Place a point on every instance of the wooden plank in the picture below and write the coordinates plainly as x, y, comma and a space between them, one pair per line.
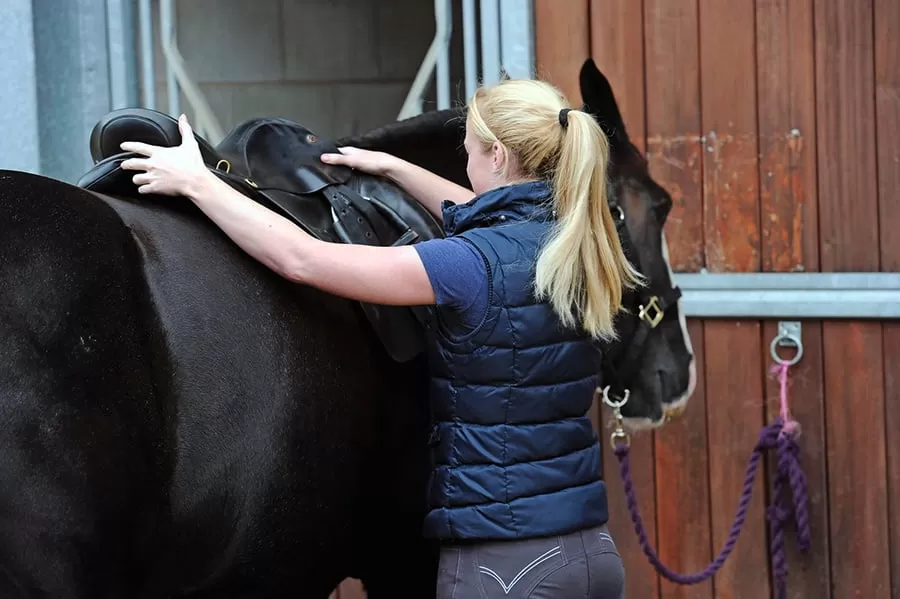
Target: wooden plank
786, 114
682, 490
734, 418
808, 573
732, 241
730, 168
787, 135
617, 47
673, 122
891, 346
562, 43
673, 149
854, 396
848, 200
887, 112
641, 578
854, 378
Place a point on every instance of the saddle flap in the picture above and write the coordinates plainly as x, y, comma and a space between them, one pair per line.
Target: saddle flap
280, 154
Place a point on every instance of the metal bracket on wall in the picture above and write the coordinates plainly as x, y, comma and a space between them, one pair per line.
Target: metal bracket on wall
790, 295
789, 336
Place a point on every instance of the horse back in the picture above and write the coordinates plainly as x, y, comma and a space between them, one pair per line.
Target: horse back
202, 416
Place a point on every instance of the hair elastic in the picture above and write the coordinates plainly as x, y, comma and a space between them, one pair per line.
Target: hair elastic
564, 117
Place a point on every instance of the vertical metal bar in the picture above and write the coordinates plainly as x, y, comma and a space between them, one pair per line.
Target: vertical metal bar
148, 83
442, 70
167, 30
490, 41
516, 22
121, 53
470, 47
73, 86
20, 141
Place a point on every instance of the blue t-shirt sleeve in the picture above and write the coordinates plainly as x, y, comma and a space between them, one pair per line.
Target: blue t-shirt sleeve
458, 276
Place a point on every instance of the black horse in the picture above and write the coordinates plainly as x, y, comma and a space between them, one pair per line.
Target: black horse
178, 421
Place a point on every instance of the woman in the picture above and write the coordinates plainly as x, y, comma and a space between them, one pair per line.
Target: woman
527, 281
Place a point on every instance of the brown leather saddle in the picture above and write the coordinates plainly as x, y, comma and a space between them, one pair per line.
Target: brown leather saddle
275, 162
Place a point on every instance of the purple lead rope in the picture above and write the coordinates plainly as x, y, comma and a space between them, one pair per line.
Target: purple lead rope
781, 436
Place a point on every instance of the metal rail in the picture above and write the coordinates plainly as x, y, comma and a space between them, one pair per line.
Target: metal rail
177, 76
791, 295
437, 60
506, 41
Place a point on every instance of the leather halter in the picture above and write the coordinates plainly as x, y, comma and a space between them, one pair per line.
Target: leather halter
616, 373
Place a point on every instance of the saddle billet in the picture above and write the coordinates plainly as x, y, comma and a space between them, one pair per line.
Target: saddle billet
275, 162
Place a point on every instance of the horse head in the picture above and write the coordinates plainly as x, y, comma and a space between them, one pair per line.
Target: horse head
652, 359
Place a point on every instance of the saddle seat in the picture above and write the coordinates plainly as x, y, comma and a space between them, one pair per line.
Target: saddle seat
275, 162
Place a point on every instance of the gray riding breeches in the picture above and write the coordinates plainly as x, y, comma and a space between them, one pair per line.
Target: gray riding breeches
580, 564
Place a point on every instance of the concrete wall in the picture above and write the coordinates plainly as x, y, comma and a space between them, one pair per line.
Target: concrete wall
338, 66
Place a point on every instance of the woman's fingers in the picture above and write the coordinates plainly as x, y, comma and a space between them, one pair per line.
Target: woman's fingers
334, 159
138, 147
187, 132
135, 164
348, 155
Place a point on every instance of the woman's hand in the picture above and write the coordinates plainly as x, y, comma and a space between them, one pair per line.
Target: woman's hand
167, 171
368, 161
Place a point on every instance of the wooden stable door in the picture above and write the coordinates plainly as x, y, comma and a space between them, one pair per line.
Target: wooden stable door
776, 128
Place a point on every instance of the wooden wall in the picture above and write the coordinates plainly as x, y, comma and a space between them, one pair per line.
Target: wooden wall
775, 125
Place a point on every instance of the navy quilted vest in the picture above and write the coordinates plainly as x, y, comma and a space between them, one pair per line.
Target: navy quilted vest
514, 452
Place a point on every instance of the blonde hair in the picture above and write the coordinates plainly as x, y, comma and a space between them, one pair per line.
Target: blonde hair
581, 270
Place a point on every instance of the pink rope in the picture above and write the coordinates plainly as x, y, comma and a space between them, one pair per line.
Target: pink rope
791, 426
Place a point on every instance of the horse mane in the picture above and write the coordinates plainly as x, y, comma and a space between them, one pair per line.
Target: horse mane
433, 140
425, 125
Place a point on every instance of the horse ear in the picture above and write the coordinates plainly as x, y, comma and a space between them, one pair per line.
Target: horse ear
600, 101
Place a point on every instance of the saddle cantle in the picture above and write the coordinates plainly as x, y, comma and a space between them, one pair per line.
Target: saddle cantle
275, 162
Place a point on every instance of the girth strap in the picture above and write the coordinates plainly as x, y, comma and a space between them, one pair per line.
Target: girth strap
356, 219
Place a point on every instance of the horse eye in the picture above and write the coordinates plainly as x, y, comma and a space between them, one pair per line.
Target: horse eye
311, 139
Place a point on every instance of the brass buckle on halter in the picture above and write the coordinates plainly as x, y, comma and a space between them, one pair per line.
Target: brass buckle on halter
224, 163
656, 316
619, 436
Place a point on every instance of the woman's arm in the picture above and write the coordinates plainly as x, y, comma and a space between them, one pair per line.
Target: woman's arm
426, 187
380, 275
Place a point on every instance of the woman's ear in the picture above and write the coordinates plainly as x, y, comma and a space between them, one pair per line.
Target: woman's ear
498, 157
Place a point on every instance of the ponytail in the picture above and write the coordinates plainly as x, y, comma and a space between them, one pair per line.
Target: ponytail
582, 269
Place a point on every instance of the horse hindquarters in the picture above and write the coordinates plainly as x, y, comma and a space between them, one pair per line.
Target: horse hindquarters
76, 406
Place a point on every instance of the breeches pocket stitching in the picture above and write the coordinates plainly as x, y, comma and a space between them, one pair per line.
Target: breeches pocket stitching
524, 571
606, 545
